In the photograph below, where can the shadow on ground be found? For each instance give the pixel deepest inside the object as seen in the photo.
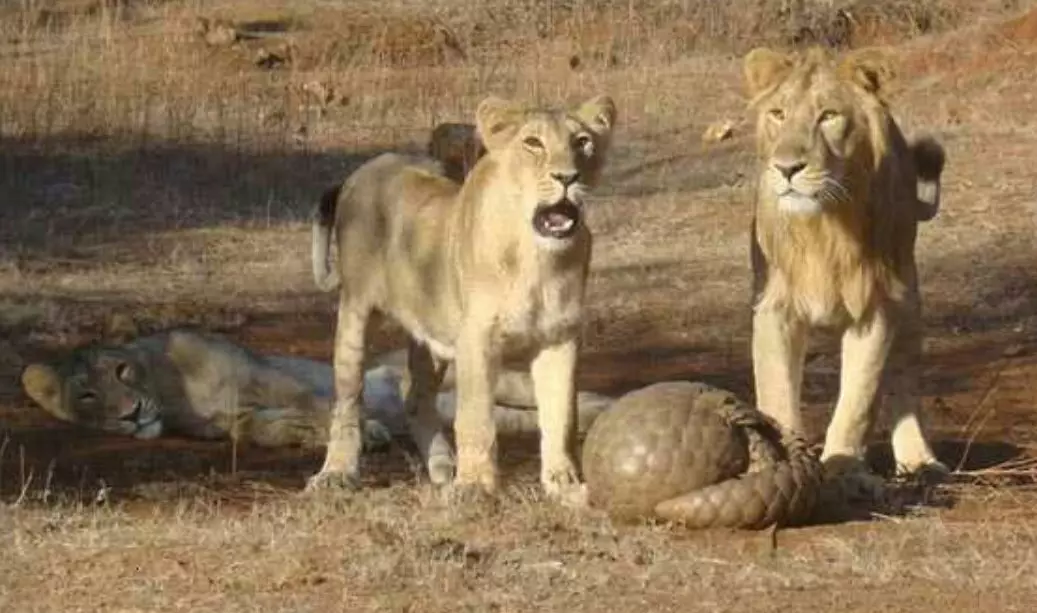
(62, 196)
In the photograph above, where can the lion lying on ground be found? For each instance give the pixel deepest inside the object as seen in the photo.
(473, 271)
(203, 386)
(839, 198)
(678, 451)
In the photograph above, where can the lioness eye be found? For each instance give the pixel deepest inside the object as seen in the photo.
(777, 114)
(828, 116)
(582, 141)
(533, 142)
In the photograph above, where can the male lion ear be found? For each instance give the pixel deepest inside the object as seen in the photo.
(764, 68)
(599, 113)
(43, 385)
(871, 69)
(496, 120)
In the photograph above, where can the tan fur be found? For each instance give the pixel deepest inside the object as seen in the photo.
(462, 269)
(201, 386)
(839, 198)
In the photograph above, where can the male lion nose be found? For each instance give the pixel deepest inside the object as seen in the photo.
(789, 169)
(565, 178)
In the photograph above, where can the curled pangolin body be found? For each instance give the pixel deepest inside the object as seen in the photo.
(694, 454)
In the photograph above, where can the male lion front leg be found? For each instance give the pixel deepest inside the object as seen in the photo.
(865, 349)
(424, 376)
(475, 430)
(779, 350)
(345, 434)
(911, 450)
(554, 385)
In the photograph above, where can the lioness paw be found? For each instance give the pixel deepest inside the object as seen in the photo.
(333, 480)
(563, 485)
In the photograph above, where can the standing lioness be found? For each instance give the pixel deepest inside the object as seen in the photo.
(839, 198)
(494, 266)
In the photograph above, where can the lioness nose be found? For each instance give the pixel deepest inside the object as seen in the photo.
(789, 169)
(565, 178)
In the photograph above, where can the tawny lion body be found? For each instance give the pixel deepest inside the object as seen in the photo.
(474, 271)
(839, 198)
(202, 386)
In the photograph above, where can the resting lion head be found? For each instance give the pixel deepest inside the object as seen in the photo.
(822, 126)
(100, 388)
(551, 157)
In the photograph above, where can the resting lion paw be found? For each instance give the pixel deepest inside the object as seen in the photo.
(377, 437)
(441, 469)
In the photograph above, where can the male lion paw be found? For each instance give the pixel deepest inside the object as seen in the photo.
(333, 480)
(848, 481)
(929, 473)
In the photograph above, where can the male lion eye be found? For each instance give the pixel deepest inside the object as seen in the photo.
(533, 142)
(87, 397)
(828, 116)
(582, 142)
(777, 114)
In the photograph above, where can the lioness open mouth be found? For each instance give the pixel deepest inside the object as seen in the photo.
(558, 221)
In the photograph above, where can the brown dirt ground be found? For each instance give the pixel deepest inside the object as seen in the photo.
(181, 199)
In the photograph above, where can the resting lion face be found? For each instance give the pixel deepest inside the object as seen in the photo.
(103, 389)
(817, 122)
(551, 157)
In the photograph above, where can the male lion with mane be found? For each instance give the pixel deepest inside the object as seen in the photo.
(839, 198)
(474, 271)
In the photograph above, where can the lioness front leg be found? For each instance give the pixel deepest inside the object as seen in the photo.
(475, 430)
(345, 433)
(424, 375)
(779, 350)
(554, 384)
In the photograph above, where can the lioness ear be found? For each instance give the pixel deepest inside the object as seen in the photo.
(496, 120)
(43, 385)
(599, 113)
(764, 68)
(871, 69)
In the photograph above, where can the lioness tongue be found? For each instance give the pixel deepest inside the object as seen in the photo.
(558, 220)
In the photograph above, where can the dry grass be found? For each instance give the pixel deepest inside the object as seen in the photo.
(145, 171)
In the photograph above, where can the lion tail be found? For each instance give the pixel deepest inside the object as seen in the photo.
(929, 158)
(325, 274)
